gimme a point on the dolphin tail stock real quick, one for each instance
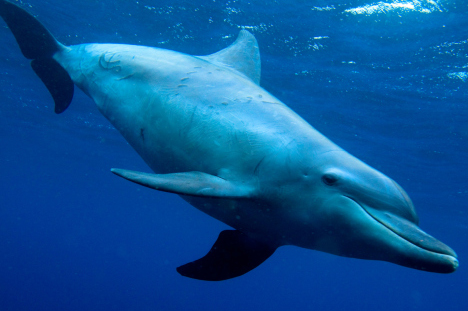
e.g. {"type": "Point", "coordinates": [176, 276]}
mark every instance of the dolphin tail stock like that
{"type": "Point", "coordinates": [39, 45]}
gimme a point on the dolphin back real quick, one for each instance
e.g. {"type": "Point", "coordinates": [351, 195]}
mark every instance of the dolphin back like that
{"type": "Point", "coordinates": [39, 45]}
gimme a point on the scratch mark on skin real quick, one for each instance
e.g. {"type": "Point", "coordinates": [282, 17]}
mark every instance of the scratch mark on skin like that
{"type": "Point", "coordinates": [258, 165]}
{"type": "Point", "coordinates": [100, 62]}
{"type": "Point", "coordinates": [191, 72]}
{"type": "Point", "coordinates": [126, 77]}
{"type": "Point", "coordinates": [182, 85]}
{"type": "Point", "coordinates": [192, 116]}
{"type": "Point", "coordinates": [197, 67]}
{"type": "Point", "coordinates": [183, 79]}
{"type": "Point", "coordinates": [185, 130]}
{"type": "Point", "coordinates": [109, 64]}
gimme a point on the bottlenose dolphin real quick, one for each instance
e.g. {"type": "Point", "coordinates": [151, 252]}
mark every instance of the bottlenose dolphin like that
{"type": "Point", "coordinates": [231, 149]}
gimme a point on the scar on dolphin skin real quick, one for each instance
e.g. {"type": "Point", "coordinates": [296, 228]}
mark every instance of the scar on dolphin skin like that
{"type": "Point", "coordinates": [110, 64]}
{"type": "Point", "coordinates": [126, 77]}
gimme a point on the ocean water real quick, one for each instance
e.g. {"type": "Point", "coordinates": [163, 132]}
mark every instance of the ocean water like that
{"type": "Point", "coordinates": [386, 80]}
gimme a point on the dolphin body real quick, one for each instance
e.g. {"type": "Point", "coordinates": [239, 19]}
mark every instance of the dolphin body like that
{"type": "Point", "coordinates": [235, 152]}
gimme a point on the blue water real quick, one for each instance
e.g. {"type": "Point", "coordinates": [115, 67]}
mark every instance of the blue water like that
{"type": "Point", "coordinates": [387, 81]}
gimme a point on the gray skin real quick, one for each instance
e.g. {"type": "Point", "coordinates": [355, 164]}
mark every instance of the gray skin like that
{"type": "Point", "coordinates": [231, 149]}
{"type": "Point", "coordinates": [183, 113]}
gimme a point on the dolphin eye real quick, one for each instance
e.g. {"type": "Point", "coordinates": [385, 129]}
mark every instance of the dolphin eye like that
{"type": "Point", "coordinates": [329, 179]}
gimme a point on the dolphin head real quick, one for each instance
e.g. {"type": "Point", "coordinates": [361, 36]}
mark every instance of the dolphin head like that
{"type": "Point", "coordinates": [353, 210]}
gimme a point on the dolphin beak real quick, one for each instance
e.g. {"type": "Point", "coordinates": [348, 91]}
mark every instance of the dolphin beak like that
{"type": "Point", "coordinates": [430, 254]}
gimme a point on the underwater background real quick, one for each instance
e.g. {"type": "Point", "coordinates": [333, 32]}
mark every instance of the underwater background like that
{"type": "Point", "coordinates": [385, 80]}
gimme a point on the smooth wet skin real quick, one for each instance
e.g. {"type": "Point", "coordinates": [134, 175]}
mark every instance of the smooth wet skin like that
{"type": "Point", "coordinates": [234, 151]}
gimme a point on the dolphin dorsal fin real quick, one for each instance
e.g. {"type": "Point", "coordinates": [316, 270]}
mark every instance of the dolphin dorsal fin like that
{"type": "Point", "coordinates": [243, 56]}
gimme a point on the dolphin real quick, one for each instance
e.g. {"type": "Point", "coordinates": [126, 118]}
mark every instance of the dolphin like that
{"type": "Point", "coordinates": [213, 136]}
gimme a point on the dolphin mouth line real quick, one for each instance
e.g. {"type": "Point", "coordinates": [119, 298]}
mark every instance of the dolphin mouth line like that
{"type": "Point", "coordinates": [399, 234]}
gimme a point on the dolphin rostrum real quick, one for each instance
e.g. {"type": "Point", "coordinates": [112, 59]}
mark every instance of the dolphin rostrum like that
{"type": "Point", "coordinates": [231, 149]}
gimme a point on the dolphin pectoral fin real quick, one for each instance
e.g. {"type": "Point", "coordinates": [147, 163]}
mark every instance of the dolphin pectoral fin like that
{"type": "Point", "coordinates": [232, 255]}
{"type": "Point", "coordinates": [188, 183]}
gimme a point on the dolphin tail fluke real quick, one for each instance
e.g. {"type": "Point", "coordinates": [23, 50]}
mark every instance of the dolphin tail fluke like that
{"type": "Point", "coordinates": [38, 44]}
